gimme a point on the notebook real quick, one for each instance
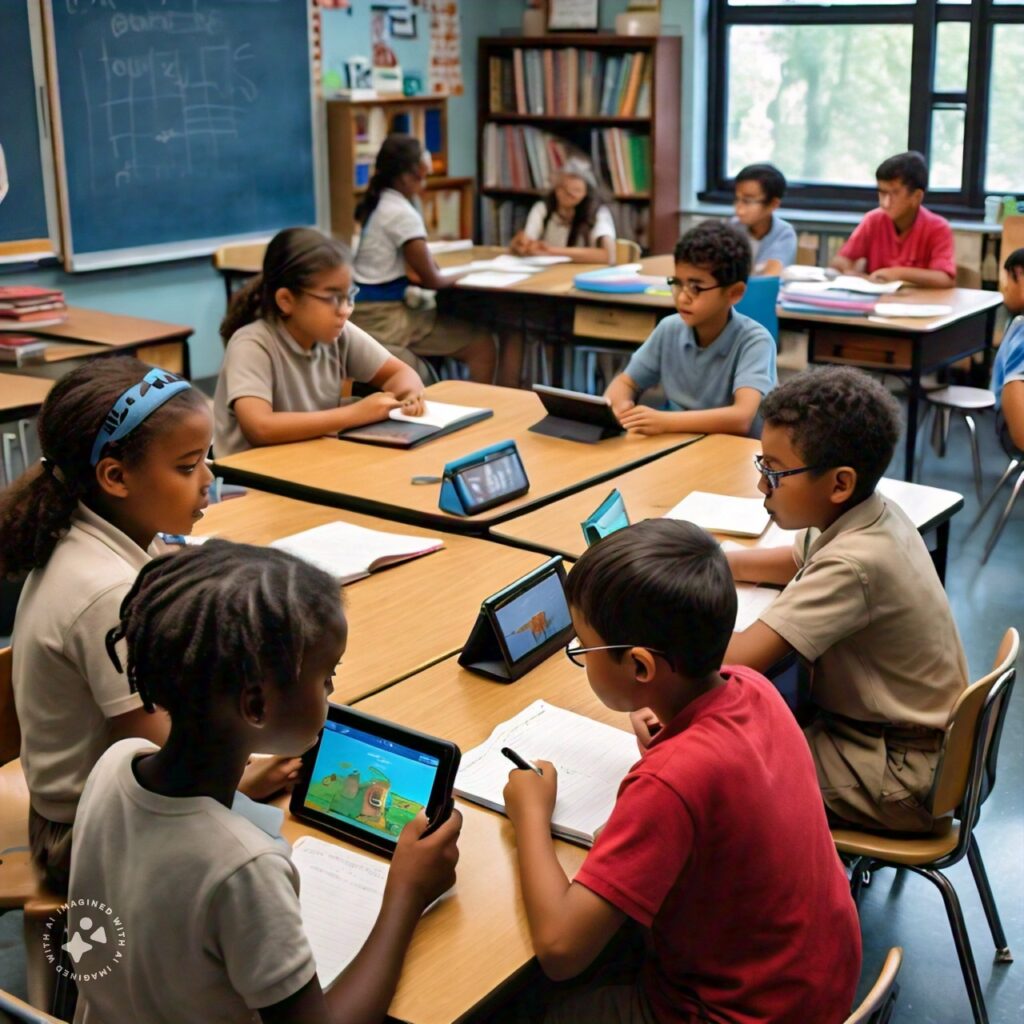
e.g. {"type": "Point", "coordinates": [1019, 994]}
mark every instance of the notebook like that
{"type": "Point", "coordinates": [751, 600]}
{"type": "Point", "coordinates": [592, 758]}
{"type": "Point", "coordinates": [400, 430]}
{"type": "Point", "coordinates": [719, 513]}
{"type": "Point", "coordinates": [350, 552]}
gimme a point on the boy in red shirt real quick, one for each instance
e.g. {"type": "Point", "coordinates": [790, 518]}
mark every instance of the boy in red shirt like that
{"type": "Point", "coordinates": [717, 844]}
{"type": "Point", "coordinates": [901, 240]}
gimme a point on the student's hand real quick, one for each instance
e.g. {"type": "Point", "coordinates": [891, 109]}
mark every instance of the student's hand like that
{"type": "Point", "coordinates": [265, 776]}
{"type": "Point", "coordinates": [413, 404]}
{"type": "Point", "coordinates": [884, 274]}
{"type": "Point", "coordinates": [529, 796]}
{"type": "Point", "coordinates": [537, 248]}
{"type": "Point", "coordinates": [646, 726]}
{"type": "Point", "coordinates": [375, 407]}
{"type": "Point", "coordinates": [621, 408]}
{"type": "Point", "coordinates": [520, 243]}
{"type": "Point", "coordinates": [642, 419]}
{"type": "Point", "coordinates": [425, 866]}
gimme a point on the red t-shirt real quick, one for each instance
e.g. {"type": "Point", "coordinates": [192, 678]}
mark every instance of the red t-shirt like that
{"type": "Point", "coordinates": [927, 245]}
{"type": "Point", "coordinates": [718, 843]}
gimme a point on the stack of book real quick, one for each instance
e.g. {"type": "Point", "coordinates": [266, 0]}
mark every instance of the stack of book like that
{"type": "Point", "coordinates": [27, 304]}
{"type": "Point", "coordinates": [21, 349]}
{"type": "Point", "coordinates": [844, 296]}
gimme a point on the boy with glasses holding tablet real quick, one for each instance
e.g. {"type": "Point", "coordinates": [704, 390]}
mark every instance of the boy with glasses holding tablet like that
{"type": "Point", "coordinates": [713, 363]}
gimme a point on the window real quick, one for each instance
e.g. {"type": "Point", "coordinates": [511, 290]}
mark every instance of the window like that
{"type": "Point", "coordinates": [827, 89]}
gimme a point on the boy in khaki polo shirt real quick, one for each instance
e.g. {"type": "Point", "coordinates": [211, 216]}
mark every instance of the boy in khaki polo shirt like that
{"type": "Point", "coordinates": [862, 601]}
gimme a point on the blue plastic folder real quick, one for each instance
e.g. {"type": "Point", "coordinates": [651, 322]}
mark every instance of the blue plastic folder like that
{"type": "Point", "coordinates": [608, 517]}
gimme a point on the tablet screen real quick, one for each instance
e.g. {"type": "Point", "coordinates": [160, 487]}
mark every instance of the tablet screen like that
{"type": "Point", "coordinates": [493, 478]}
{"type": "Point", "coordinates": [534, 616]}
{"type": "Point", "coordinates": [369, 782]}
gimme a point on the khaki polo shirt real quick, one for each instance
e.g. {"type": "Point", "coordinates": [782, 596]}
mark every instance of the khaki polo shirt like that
{"type": "Point", "coordinates": [264, 361]}
{"type": "Point", "coordinates": [867, 608]}
{"type": "Point", "coordinates": [65, 685]}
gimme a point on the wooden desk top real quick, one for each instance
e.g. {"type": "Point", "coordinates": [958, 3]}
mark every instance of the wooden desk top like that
{"type": "Point", "coordinates": [401, 619]}
{"type": "Point", "coordinates": [20, 395]}
{"type": "Point", "coordinates": [378, 480]}
{"type": "Point", "coordinates": [111, 329]}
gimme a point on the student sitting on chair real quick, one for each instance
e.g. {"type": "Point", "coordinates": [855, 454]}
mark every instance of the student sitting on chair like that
{"type": "Point", "coordinates": [862, 600]}
{"type": "Point", "coordinates": [901, 240]}
{"type": "Point", "coordinates": [290, 344]}
{"type": "Point", "coordinates": [717, 846]}
{"type": "Point", "coordinates": [570, 221]}
{"type": "Point", "coordinates": [1008, 372]}
{"type": "Point", "coordinates": [238, 645]}
{"type": "Point", "coordinates": [759, 192]}
{"type": "Point", "coordinates": [393, 254]}
{"type": "Point", "coordinates": [714, 364]}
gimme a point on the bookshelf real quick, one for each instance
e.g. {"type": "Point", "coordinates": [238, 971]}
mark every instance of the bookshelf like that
{"type": "Point", "coordinates": [355, 131]}
{"type": "Point", "coordinates": [612, 99]}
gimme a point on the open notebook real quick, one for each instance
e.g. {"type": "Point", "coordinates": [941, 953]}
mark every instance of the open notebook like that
{"type": "Point", "coordinates": [591, 759]}
{"type": "Point", "coordinates": [350, 552]}
{"type": "Point", "coordinates": [720, 513]}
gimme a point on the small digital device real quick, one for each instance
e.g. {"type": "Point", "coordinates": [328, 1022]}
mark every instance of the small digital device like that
{"type": "Point", "coordinates": [520, 625]}
{"type": "Point", "coordinates": [575, 416]}
{"type": "Point", "coordinates": [608, 517]}
{"type": "Point", "coordinates": [365, 779]}
{"type": "Point", "coordinates": [483, 480]}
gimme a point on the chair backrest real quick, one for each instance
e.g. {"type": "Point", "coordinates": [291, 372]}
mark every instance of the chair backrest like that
{"type": "Point", "coordinates": [10, 731]}
{"type": "Point", "coordinates": [967, 277]}
{"type": "Point", "coordinates": [1013, 238]}
{"type": "Point", "coordinates": [1006, 658]}
{"type": "Point", "coordinates": [626, 250]}
{"type": "Point", "coordinates": [13, 1009]}
{"type": "Point", "coordinates": [878, 1004]}
{"type": "Point", "coordinates": [759, 301]}
{"type": "Point", "coordinates": [240, 257]}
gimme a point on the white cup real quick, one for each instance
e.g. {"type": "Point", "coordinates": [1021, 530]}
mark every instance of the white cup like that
{"type": "Point", "coordinates": [993, 207]}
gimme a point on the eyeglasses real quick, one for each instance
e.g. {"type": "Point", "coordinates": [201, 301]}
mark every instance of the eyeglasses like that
{"type": "Point", "coordinates": [749, 201]}
{"type": "Point", "coordinates": [773, 476]}
{"type": "Point", "coordinates": [574, 653]}
{"type": "Point", "coordinates": [691, 288]}
{"type": "Point", "coordinates": [339, 300]}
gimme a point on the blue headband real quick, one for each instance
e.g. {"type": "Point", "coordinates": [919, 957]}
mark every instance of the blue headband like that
{"type": "Point", "coordinates": [134, 406]}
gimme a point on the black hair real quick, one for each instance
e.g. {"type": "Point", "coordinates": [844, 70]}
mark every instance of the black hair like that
{"type": "Point", "coordinates": [293, 258]}
{"type": "Point", "coordinates": [36, 510]}
{"type": "Point", "coordinates": [400, 154]}
{"type": "Point", "coordinates": [838, 416]}
{"type": "Point", "coordinates": [663, 584]}
{"type": "Point", "coordinates": [719, 249]}
{"type": "Point", "coordinates": [768, 176]}
{"type": "Point", "coordinates": [214, 618]}
{"type": "Point", "coordinates": [910, 168]}
{"type": "Point", "coordinates": [1014, 262]}
{"type": "Point", "coordinates": [584, 214]}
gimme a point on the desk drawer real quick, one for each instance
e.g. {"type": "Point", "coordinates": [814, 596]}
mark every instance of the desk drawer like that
{"type": "Point", "coordinates": [862, 349]}
{"type": "Point", "coordinates": [613, 323]}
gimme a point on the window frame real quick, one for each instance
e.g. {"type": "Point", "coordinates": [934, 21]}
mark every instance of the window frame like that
{"type": "Point", "coordinates": [924, 17]}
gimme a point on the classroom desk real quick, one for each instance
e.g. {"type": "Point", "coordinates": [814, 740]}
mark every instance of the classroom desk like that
{"type": "Point", "coordinates": [721, 464]}
{"type": "Point", "coordinates": [471, 944]}
{"type": "Point", "coordinates": [401, 619]}
{"type": "Point", "coordinates": [21, 396]}
{"type": "Point", "coordinates": [377, 480]}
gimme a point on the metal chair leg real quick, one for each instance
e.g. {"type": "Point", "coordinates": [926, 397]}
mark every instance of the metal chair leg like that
{"type": "Point", "coordinates": [1014, 494]}
{"type": "Point", "coordinates": [988, 901]}
{"type": "Point", "coordinates": [945, 413]}
{"type": "Point", "coordinates": [961, 940]}
{"type": "Point", "coordinates": [975, 454]}
{"type": "Point", "coordinates": [1007, 473]}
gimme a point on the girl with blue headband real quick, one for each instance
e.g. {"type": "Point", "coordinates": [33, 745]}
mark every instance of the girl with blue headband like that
{"type": "Point", "coordinates": [124, 456]}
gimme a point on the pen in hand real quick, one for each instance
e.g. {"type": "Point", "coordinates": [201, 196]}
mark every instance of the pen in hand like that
{"type": "Point", "coordinates": [520, 762]}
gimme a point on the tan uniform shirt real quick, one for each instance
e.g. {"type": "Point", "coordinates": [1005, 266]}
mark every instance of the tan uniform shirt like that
{"type": "Point", "coordinates": [264, 361]}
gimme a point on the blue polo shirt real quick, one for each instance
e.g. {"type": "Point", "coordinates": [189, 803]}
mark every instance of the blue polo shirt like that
{"type": "Point", "coordinates": [1009, 363]}
{"type": "Point", "coordinates": [742, 356]}
{"type": "Point", "coordinates": [779, 244]}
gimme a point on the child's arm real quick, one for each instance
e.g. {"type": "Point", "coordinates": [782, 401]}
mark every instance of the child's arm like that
{"type": "Point", "coordinates": [762, 565]}
{"type": "Point", "coordinates": [1012, 403]}
{"type": "Point", "coordinates": [737, 418]}
{"type": "Point", "coordinates": [422, 869]}
{"type": "Point", "coordinates": [621, 393]}
{"type": "Point", "coordinates": [402, 381]}
{"type": "Point", "coordinates": [422, 266]}
{"type": "Point", "coordinates": [758, 647]}
{"type": "Point", "coordinates": [262, 426]}
{"type": "Point", "coordinates": [569, 924]}
{"type": "Point", "coordinates": [915, 275]}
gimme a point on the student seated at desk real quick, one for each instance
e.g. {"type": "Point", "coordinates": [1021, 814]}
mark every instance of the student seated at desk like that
{"type": "Point", "coordinates": [862, 601]}
{"type": "Point", "coordinates": [393, 254]}
{"type": "Point", "coordinates": [81, 525]}
{"type": "Point", "coordinates": [239, 645]}
{"type": "Point", "coordinates": [290, 344]}
{"type": "Point", "coordinates": [1008, 372]}
{"type": "Point", "coordinates": [714, 364]}
{"type": "Point", "coordinates": [759, 192]}
{"type": "Point", "coordinates": [717, 845]}
{"type": "Point", "coordinates": [570, 220]}
{"type": "Point", "coordinates": [901, 240]}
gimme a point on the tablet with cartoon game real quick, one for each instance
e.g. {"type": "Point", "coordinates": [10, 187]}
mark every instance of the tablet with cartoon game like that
{"type": "Point", "coordinates": [366, 779]}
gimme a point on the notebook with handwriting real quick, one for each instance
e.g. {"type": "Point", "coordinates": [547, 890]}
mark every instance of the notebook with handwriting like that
{"type": "Point", "coordinates": [592, 758]}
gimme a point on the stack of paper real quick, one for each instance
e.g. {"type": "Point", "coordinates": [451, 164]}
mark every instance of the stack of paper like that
{"type": "Point", "coordinates": [719, 513]}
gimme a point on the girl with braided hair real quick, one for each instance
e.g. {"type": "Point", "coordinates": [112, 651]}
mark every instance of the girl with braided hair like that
{"type": "Point", "coordinates": [124, 448]}
{"type": "Point", "coordinates": [203, 891]}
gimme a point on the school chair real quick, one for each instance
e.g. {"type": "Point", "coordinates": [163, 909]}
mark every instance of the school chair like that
{"type": "Point", "coordinates": [759, 301]}
{"type": "Point", "coordinates": [15, 1011]}
{"type": "Point", "coordinates": [966, 402]}
{"type": "Point", "coordinates": [626, 251]}
{"type": "Point", "coordinates": [964, 778]}
{"type": "Point", "coordinates": [878, 1005]}
{"type": "Point", "coordinates": [1016, 462]}
{"type": "Point", "coordinates": [238, 261]}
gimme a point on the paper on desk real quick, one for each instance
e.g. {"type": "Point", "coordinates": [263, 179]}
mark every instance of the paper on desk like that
{"type": "Point", "coordinates": [437, 414]}
{"type": "Point", "coordinates": [913, 309]}
{"type": "Point", "coordinates": [720, 513]}
{"type": "Point", "coordinates": [850, 283]}
{"type": "Point", "coordinates": [751, 600]}
{"type": "Point", "coordinates": [455, 245]}
{"type": "Point", "coordinates": [490, 279]}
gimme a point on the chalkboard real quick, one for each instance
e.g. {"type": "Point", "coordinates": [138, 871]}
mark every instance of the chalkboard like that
{"type": "Point", "coordinates": [184, 123]}
{"type": "Point", "coordinates": [23, 211]}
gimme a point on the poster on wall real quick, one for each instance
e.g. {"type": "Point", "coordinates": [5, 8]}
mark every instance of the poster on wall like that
{"type": "Point", "coordinates": [445, 65]}
{"type": "Point", "coordinates": [387, 73]}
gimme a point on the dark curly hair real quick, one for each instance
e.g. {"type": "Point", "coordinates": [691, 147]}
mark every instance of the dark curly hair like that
{"type": "Point", "coordinates": [223, 615]}
{"type": "Point", "coordinates": [719, 249]}
{"type": "Point", "coordinates": [35, 511]}
{"type": "Point", "coordinates": [838, 416]}
{"type": "Point", "coordinates": [663, 584]}
{"type": "Point", "coordinates": [910, 168]}
{"type": "Point", "coordinates": [768, 176]}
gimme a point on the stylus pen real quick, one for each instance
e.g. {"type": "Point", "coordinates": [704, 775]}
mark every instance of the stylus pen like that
{"type": "Point", "coordinates": [520, 762]}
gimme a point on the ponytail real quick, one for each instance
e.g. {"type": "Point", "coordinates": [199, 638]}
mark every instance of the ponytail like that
{"type": "Point", "coordinates": [246, 306]}
{"type": "Point", "coordinates": [400, 154]}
